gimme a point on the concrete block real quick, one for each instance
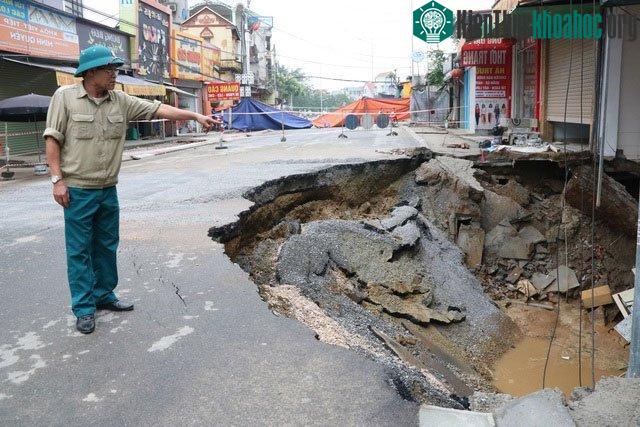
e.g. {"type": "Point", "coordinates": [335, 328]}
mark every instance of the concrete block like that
{"type": "Point", "coordinates": [435, 416]}
{"type": "Point", "coordinates": [540, 409]}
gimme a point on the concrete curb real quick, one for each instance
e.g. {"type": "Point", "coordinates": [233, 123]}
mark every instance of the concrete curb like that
{"type": "Point", "coordinates": [151, 153]}
{"type": "Point", "coordinates": [421, 142]}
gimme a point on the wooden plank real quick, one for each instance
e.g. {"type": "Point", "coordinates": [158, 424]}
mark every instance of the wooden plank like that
{"type": "Point", "coordinates": [601, 296]}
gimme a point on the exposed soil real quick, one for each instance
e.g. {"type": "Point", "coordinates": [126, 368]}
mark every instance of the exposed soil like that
{"type": "Point", "coordinates": [366, 256]}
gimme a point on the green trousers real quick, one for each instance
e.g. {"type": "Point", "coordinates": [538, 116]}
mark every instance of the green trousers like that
{"type": "Point", "coordinates": [91, 230]}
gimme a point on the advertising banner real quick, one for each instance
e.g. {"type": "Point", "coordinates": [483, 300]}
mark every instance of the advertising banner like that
{"type": "Point", "coordinates": [223, 91]}
{"type": "Point", "coordinates": [118, 43]}
{"type": "Point", "coordinates": [186, 57]}
{"type": "Point", "coordinates": [492, 59]}
{"type": "Point", "coordinates": [128, 16]}
{"type": "Point", "coordinates": [210, 60]}
{"type": "Point", "coordinates": [35, 31]}
{"type": "Point", "coordinates": [153, 43]}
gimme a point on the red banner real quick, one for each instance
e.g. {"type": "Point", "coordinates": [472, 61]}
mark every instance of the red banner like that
{"type": "Point", "coordinates": [223, 91]}
{"type": "Point", "coordinates": [492, 60]}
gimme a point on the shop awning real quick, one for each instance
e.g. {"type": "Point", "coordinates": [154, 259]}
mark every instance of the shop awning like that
{"type": "Point", "coordinates": [180, 91]}
{"type": "Point", "coordinates": [139, 87]}
{"type": "Point", "coordinates": [128, 84]}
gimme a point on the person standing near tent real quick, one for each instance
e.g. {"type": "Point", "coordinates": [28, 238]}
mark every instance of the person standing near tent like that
{"type": "Point", "coordinates": [84, 138]}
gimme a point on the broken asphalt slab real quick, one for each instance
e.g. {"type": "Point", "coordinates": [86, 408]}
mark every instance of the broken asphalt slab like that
{"type": "Point", "coordinates": [541, 409]}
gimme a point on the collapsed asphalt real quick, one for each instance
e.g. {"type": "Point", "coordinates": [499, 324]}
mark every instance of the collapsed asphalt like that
{"type": "Point", "coordinates": [219, 357]}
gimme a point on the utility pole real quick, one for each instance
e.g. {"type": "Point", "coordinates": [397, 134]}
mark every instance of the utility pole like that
{"type": "Point", "coordinates": [634, 357]}
{"type": "Point", "coordinates": [412, 36]}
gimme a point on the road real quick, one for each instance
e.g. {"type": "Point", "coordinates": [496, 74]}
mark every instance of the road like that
{"type": "Point", "coordinates": [201, 347]}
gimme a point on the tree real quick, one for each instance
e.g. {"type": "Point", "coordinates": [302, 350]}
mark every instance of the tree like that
{"type": "Point", "coordinates": [435, 77]}
{"type": "Point", "coordinates": [292, 84]}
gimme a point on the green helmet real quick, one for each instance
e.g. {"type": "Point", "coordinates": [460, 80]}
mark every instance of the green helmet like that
{"type": "Point", "coordinates": [96, 56]}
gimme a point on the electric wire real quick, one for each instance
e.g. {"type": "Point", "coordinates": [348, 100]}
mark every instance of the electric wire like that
{"type": "Point", "coordinates": [562, 208]}
{"type": "Point", "coordinates": [593, 221]}
{"type": "Point", "coordinates": [581, 210]}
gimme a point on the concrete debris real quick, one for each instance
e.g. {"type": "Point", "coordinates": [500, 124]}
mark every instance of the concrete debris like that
{"type": "Point", "coordinates": [374, 225]}
{"type": "Point", "coordinates": [497, 236]}
{"type": "Point", "coordinates": [446, 417]}
{"type": "Point", "coordinates": [496, 208]}
{"type": "Point", "coordinates": [514, 275]}
{"type": "Point", "coordinates": [458, 172]}
{"type": "Point", "coordinates": [471, 241]}
{"type": "Point", "coordinates": [624, 328]}
{"type": "Point", "coordinates": [399, 216]}
{"type": "Point", "coordinates": [514, 191]}
{"type": "Point", "coordinates": [488, 402]}
{"type": "Point", "coordinates": [614, 402]}
{"type": "Point", "coordinates": [531, 235]}
{"type": "Point", "coordinates": [526, 288]}
{"type": "Point", "coordinates": [407, 235]}
{"type": "Point", "coordinates": [541, 281]}
{"type": "Point", "coordinates": [537, 409]}
{"type": "Point", "coordinates": [412, 308]}
{"type": "Point", "coordinates": [567, 281]}
{"type": "Point", "coordinates": [515, 248]}
{"type": "Point", "coordinates": [414, 202]}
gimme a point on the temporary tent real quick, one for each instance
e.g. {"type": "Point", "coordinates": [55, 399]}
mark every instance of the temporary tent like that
{"type": "Point", "coordinates": [249, 115]}
{"type": "Point", "coordinates": [372, 106]}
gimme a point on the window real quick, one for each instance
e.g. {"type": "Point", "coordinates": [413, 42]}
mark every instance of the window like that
{"type": "Point", "coordinates": [73, 7]}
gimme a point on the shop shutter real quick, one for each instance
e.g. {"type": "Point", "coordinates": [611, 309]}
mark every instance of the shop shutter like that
{"type": "Point", "coordinates": [559, 75]}
{"type": "Point", "coordinates": [19, 79]}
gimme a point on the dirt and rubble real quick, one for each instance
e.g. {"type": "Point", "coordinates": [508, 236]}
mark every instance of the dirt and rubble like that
{"type": "Point", "coordinates": [434, 267]}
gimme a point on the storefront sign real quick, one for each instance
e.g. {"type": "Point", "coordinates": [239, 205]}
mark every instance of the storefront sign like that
{"type": "Point", "coordinates": [492, 59]}
{"type": "Point", "coordinates": [119, 43]}
{"type": "Point", "coordinates": [35, 31]}
{"type": "Point", "coordinates": [223, 91]}
{"type": "Point", "coordinates": [153, 43]}
{"type": "Point", "coordinates": [186, 60]}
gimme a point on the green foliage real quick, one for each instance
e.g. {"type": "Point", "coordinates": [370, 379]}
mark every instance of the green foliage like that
{"type": "Point", "coordinates": [435, 77]}
{"type": "Point", "coordinates": [292, 84]}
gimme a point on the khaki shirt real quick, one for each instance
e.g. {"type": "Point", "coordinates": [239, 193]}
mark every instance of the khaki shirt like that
{"type": "Point", "coordinates": [91, 135]}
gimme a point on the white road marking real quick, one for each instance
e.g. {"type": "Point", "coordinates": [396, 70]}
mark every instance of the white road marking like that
{"type": "Point", "coordinates": [208, 306]}
{"type": "Point", "coordinates": [175, 260]}
{"type": "Point", "coordinates": [91, 397]}
{"type": "Point", "coordinates": [18, 377]}
{"type": "Point", "coordinates": [166, 342]}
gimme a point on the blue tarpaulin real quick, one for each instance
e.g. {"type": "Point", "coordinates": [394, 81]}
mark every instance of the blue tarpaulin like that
{"type": "Point", "coordinates": [254, 121]}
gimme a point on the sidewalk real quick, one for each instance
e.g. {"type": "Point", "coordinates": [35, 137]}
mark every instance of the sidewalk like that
{"type": "Point", "coordinates": [133, 150]}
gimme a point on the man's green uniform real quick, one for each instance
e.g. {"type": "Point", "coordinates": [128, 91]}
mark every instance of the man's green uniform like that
{"type": "Point", "coordinates": [91, 135]}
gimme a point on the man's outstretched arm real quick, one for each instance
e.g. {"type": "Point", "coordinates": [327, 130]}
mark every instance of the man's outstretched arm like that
{"type": "Point", "coordinates": [172, 113]}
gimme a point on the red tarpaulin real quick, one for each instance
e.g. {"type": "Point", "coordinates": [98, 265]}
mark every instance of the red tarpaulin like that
{"type": "Point", "coordinates": [365, 105]}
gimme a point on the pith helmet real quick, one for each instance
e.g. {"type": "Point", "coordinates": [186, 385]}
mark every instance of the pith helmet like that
{"type": "Point", "coordinates": [96, 56]}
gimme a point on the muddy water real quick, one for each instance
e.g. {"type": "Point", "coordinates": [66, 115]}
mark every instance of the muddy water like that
{"type": "Point", "coordinates": [519, 371]}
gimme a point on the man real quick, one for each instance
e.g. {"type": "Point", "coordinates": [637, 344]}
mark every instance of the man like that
{"type": "Point", "coordinates": [84, 140]}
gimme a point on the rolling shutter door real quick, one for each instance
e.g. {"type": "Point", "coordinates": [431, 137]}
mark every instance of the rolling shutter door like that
{"type": "Point", "coordinates": [559, 75]}
{"type": "Point", "coordinates": [19, 79]}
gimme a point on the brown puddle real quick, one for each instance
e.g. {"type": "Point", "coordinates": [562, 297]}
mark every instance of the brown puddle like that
{"type": "Point", "coordinates": [519, 371]}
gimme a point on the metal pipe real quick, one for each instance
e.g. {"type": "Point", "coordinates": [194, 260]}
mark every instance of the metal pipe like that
{"type": "Point", "coordinates": [605, 85]}
{"type": "Point", "coordinates": [634, 356]}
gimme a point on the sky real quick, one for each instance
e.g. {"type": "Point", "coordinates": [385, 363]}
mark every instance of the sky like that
{"type": "Point", "coordinates": [339, 39]}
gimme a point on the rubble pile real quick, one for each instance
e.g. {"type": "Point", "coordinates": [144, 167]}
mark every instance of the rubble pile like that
{"type": "Point", "coordinates": [402, 260]}
{"type": "Point", "coordinates": [511, 232]}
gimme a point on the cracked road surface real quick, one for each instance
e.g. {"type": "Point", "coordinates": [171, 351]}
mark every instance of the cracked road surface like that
{"type": "Point", "coordinates": [201, 348]}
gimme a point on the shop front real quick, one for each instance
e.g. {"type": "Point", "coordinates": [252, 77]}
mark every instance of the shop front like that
{"type": "Point", "coordinates": [488, 89]}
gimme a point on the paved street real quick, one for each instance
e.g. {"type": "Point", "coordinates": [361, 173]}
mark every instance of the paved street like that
{"type": "Point", "coordinates": [201, 348]}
